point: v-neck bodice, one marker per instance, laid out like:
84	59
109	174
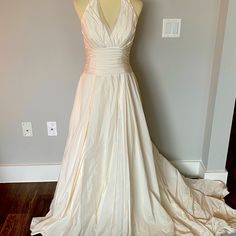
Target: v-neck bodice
102	16
108	49
95	29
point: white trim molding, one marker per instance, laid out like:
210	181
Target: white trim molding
192	168
217	175
50	172
29	173
197	169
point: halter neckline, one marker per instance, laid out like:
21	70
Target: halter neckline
104	20
101	16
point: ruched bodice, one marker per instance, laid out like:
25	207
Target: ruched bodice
107	51
95	29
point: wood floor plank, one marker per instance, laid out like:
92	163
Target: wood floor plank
15	224
20	202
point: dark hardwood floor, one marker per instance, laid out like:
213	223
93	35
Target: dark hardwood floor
19	202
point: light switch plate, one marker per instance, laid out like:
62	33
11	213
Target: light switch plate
171	28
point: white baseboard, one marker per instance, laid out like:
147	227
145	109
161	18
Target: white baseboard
197	169
218	175
193	168
48	173
29	173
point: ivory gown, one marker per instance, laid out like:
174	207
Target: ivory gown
113	180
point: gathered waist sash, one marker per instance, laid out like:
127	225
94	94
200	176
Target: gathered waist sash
108	60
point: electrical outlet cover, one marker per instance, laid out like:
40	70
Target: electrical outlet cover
52	128
27	129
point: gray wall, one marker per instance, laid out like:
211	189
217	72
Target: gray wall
42	56
40	66
217	61
225	95
175	74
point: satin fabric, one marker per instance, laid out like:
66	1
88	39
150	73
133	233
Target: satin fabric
113	180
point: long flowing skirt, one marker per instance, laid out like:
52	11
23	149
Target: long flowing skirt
113	180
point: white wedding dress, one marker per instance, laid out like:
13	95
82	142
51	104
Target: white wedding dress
113	180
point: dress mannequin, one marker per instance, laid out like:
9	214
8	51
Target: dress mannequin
110	8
